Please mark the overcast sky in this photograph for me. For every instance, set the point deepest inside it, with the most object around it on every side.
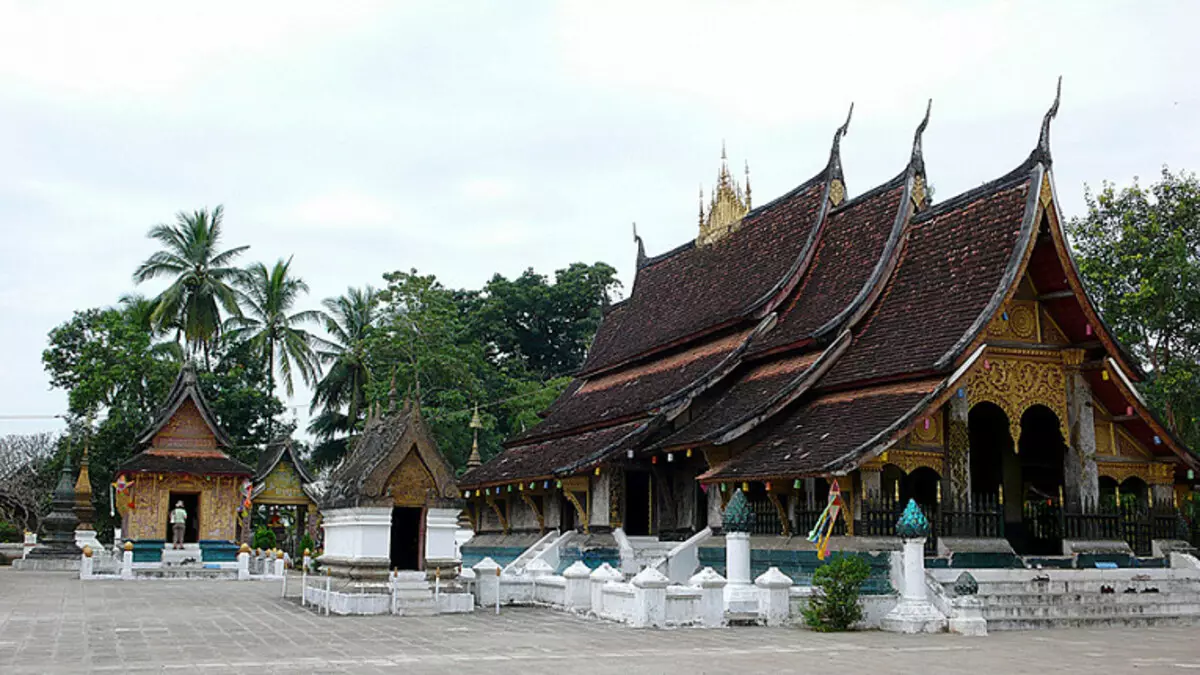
(468, 139)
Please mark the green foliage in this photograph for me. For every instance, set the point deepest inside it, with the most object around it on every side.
(1138, 250)
(203, 278)
(834, 602)
(264, 538)
(306, 544)
(10, 533)
(270, 327)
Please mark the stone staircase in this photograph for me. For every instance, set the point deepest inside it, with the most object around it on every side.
(527, 556)
(1032, 599)
(645, 552)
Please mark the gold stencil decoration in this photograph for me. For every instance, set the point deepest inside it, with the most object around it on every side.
(1051, 333)
(616, 497)
(411, 482)
(837, 192)
(1154, 473)
(1017, 382)
(728, 205)
(1046, 194)
(1021, 325)
(928, 435)
(958, 460)
(911, 460)
(918, 192)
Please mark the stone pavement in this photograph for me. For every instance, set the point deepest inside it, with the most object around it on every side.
(52, 623)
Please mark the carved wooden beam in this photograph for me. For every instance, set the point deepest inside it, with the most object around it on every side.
(528, 499)
(499, 513)
(582, 512)
(782, 512)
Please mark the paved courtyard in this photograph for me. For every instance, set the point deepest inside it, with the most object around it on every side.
(52, 623)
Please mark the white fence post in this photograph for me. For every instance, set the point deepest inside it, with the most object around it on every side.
(127, 561)
(577, 588)
(650, 598)
(243, 563)
(712, 597)
(487, 581)
(602, 575)
(773, 600)
(85, 564)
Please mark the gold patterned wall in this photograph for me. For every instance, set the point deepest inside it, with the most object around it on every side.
(185, 430)
(151, 494)
(411, 482)
(1016, 380)
(1022, 324)
(282, 486)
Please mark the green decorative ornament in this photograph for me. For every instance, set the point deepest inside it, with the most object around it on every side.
(912, 524)
(966, 584)
(738, 516)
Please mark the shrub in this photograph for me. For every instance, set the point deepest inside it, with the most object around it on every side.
(306, 544)
(263, 537)
(10, 534)
(834, 602)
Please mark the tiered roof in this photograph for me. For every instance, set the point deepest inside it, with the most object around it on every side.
(819, 330)
(185, 437)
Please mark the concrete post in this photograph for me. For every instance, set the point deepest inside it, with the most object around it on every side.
(578, 589)
(914, 613)
(127, 561)
(488, 582)
(773, 588)
(85, 563)
(600, 576)
(539, 568)
(279, 567)
(712, 600)
(650, 599)
(1080, 477)
(30, 542)
(243, 563)
(740, 595)
(968, 616)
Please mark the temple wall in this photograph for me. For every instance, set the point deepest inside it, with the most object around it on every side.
(151, 495)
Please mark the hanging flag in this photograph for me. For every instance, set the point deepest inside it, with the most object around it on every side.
(823, 529)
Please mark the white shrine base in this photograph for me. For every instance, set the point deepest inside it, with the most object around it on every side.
(405, 594)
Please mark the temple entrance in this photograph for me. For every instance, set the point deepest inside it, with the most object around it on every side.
(1042, 457)
(405, 551)
(921, 485)
(566, 513)
(191, 503)
(638, 504)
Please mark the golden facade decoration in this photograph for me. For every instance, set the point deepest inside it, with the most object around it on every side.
(958, 460)
(282, 486)
(918, 192)
(837, 192)
(616, 497)
(1106, 440)
(186, 430)
(928, 432)
(1017, 380)
(537, 513)
(1051, 333)
(911, 460)
(1128, 447)
(150, 494)
(727, 206)
(1021, 325)
(1153, 473)
(411, 482)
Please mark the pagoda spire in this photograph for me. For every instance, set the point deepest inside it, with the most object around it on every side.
(727, 206)
(476, 424)
(84, 511)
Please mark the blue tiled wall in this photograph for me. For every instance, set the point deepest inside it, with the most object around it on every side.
(800, 565)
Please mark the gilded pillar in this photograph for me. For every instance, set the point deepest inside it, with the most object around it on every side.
(957, 476)
(1080, 478)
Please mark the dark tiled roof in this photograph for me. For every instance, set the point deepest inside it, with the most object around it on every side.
(751, 391)
(543, 459)
(187, 461)
(185, 387)
(850, 246)
(275, 452)
(696, 288)
(614, 397)
(807, 438)
(954, 263)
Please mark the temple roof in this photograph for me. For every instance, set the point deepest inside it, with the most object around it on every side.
(387, 440)
(277, 451)
(184, 437)
(547, 459)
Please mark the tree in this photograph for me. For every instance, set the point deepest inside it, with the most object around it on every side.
(26, 478)
(547, 327)
(342, 392)
(268, 324)
(203, 278)
(1138, 250)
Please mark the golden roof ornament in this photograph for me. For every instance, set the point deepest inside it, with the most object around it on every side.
(727, 206)
(476, 424)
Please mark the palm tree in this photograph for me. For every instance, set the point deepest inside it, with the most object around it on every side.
(341, 393)
(203, 278)
(268, 296)
(140, 311)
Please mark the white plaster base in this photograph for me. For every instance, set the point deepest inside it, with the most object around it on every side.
(914, 617)
(87, 538)
(455, 603)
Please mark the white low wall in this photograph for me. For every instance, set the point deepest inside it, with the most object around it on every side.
(348, 603)
(617, 602)
(683, 605)
(875, 607)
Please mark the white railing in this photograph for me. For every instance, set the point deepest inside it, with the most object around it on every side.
(529, 554)
(681, 562)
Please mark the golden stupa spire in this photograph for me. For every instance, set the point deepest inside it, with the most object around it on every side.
(476, 424)
(728, 204)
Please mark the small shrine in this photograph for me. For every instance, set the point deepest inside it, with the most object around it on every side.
(56, 549)
(85, 531)
(182, 460)
(284, 487)
(392, 503)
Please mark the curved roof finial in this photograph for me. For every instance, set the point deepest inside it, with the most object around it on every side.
(1043, 148)
(917, 156)
(841, 131)
(641, 248)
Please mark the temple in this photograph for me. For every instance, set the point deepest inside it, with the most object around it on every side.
(182, 459)
(284, 487)
(946, 353)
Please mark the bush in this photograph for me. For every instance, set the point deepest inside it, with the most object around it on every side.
(10, 534)
(834, 602)
(306, 544)
(264, 538)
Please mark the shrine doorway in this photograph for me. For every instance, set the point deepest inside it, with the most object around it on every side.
(638, 494)
(191, 503)
(1042, 461)
(566, 513)
(407, 538)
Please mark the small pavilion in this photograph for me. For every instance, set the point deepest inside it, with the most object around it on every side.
(282, 483)
(392, 503)
(181, 458)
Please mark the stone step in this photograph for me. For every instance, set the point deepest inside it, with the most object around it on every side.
(1163, 585)
(1139, 621)
(1119, 599)
(742, 618)
(1067, 612)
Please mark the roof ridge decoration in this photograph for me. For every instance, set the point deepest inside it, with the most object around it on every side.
(186, 386)
(1042, 152)
(641, 248)
(916, 164)
(727, 206)
(837, 185)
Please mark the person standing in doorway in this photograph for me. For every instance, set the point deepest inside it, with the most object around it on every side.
(178, 523)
